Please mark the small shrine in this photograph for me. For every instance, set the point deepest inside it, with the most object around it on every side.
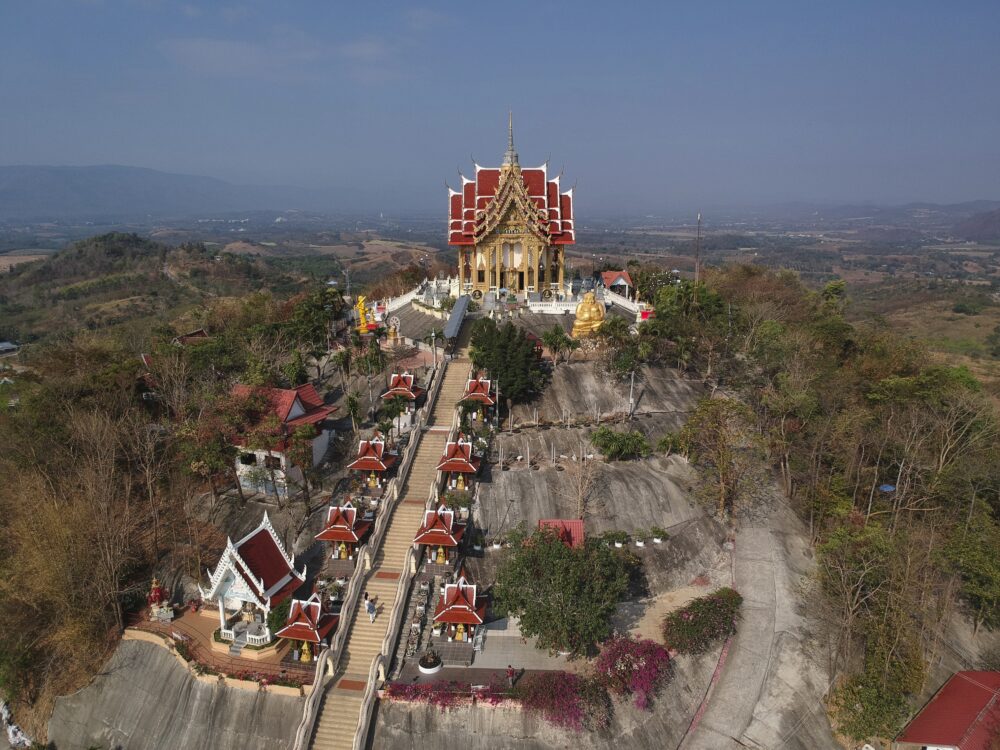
(252, 577)
(307, 622)
(159, 603)
(477, 391)
(440, 533)
(402, 385)
(460, 611)
(373, 461)
(589, 316)
(459, 464)
(344, 529)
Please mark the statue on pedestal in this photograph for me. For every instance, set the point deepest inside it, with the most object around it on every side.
(589, 316)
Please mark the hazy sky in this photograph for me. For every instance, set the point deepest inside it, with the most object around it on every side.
(650, 107)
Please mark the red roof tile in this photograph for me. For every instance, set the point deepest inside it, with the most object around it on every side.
(570, 531)
(963, 713)
(401, 384)
(612, 278)
(460, 604)
(478, 389)
(372, 456)
(440, 529)
(264, 558)
(343, 525)
(458, 457)
(307, 621)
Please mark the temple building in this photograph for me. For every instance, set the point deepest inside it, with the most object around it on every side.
(511, 226)
(460, 610)
(402, 385)
(307, 622)
(373, 461)
(344, 529)
(253, 576)
(271, 468)
(440, 533)
(458, 463)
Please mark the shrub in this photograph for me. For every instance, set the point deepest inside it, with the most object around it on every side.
(864, 708)
(659, 532)
(565, 700)
(703, 622)
(443, 694)
(628, 666)
(620, 445)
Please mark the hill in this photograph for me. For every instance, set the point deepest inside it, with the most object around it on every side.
(981, 227)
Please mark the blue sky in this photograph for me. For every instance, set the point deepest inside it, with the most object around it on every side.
(649, 107)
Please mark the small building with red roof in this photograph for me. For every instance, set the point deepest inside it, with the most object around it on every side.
(344, 528)
(373, 461)
(963, 715)
(402, 385)
(460, 610)
(618, 282)
(440, 533)
(270, 468)
(308, 622)
(253, 576)
(569, 530)
(458, 462)
(478, 393)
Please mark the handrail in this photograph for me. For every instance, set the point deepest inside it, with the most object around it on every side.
(312, 702)
(367, 703)
(395, 621)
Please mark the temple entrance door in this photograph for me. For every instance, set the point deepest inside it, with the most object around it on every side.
(520, 281)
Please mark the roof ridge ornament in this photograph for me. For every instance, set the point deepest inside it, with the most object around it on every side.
(510, 158)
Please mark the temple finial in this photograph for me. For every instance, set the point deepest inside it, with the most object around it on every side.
(510, 158)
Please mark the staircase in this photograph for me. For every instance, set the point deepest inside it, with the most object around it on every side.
(339, 713)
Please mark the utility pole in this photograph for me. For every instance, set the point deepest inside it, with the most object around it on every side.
(631, 401)
(697, 251)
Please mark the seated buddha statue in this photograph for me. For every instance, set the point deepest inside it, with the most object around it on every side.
(589, 316)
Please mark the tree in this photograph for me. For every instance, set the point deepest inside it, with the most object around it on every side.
(558, 342)
(564, 596)
(354, 409)
(510, 357)
(720, 439)
(972, 552)
(620, 445)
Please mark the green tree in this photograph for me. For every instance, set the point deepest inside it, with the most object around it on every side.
(564, 596)
(510, 357)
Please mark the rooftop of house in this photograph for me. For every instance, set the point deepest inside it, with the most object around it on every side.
(569, 530)
(963, 713)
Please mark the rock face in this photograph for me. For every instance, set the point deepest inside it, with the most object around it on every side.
(145, 700)
(404, 726)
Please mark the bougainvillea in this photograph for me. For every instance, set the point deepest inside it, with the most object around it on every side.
(628, 666)
(443, 694)
(565, 700)
(703, 622)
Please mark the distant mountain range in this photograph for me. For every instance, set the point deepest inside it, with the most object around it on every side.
(982, 227)
(33, 193)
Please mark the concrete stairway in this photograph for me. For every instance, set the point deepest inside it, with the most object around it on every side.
(339, 713)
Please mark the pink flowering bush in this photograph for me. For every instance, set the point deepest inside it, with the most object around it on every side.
(442, 694)
(628, 666)
(565, 700)
(703, 622)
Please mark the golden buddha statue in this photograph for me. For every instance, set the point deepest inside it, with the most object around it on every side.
(306, 652)
(589, 316)
(362, 315)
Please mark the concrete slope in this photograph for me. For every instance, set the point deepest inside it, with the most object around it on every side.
(145, 700)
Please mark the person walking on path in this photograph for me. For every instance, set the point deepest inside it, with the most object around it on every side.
(370, 609)
(510, 675)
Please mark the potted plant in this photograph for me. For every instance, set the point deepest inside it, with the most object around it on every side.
(430, 662)
(659, 534)
(477, 543)
(641, 537)
(617, 538)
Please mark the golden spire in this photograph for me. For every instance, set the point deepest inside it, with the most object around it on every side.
(510, 158)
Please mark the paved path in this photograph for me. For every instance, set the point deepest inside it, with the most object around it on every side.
(770, 692)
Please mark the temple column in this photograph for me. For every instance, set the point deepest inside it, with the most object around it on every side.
(222, 615)
(499, 253)
(562, 263)
(461, 268)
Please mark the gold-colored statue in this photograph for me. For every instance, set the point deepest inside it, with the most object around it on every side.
(460, 483)
(362, 314)
(342, 552)
(460, 632)
(441, 558)
(306, 652)
(589, 316)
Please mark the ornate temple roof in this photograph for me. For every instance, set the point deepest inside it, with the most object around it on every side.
(458, 457)
(307, 621)
(440, 528)
(260, 568)
(478, 389)
(372, 455)
(460, 604)
(343, 525)
(401, 384)
(481, 202)
(292, 406)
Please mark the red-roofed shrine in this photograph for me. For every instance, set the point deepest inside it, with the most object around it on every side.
(374, 460)
(440, 529)
(460, 610)
(344, 529)
(458, 462)
(510, 225)
(308, 622)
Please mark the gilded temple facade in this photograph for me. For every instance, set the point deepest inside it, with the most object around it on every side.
(511, 225)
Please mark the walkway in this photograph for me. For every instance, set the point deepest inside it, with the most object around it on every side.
(339, 713)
